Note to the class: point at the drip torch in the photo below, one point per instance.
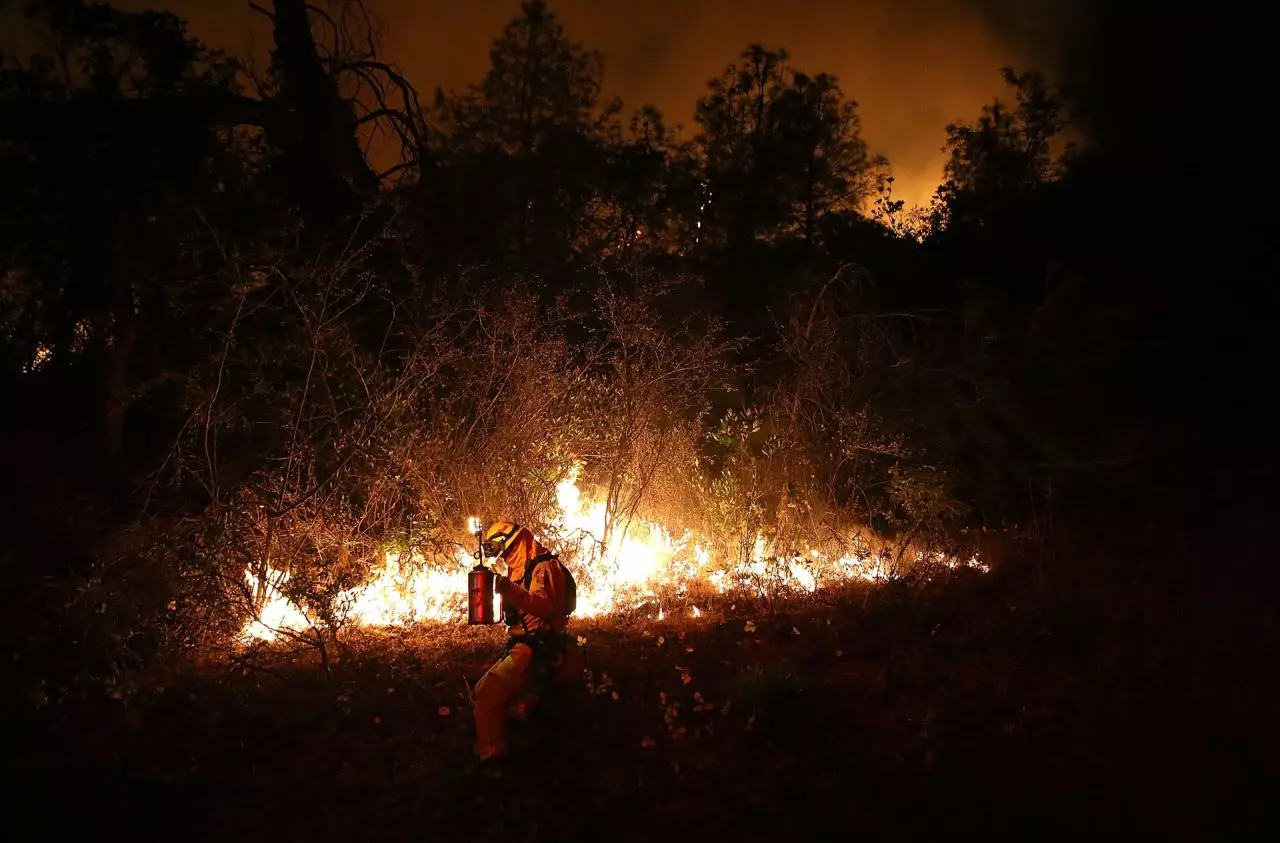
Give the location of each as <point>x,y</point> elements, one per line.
<point>479,583</point>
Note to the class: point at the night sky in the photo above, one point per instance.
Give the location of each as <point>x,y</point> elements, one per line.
<point>912,65</point>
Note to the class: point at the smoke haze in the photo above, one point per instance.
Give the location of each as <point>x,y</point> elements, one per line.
<point>912,65</point>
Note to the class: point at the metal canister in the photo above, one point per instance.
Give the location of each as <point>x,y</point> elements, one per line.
<point>480,596</point>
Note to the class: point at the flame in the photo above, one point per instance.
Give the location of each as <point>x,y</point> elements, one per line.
<point>617,567</point>
<point>277,613</point>
<point>403,594</point>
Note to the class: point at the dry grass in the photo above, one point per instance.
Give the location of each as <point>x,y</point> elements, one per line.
<point>888,711</point>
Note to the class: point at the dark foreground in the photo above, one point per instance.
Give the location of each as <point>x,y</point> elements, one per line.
<point>892,715</point>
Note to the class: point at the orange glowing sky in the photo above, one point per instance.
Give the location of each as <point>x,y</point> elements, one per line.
<point>912,65</point>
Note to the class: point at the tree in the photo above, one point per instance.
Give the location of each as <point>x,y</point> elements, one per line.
<point>125,137</point>
<point>649,204</point>
<point>782,149</point>
<point>98,232</point>
<point>539,85</point>
<point>316,135</point>
<point>326,86</point>
<point>829,164</point>
<point>740,146</point>
<point>1005,155</point>
<point>525,146</point>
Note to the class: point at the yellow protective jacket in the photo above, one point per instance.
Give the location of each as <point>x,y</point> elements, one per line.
<point>540,607</point>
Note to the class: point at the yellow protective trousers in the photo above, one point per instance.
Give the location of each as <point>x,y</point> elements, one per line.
<point>502,684</point>
<point>507,681</point>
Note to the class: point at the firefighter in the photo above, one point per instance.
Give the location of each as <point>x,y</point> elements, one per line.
<point>537,597</point>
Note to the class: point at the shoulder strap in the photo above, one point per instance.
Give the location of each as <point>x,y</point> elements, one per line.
<point>527,580</point>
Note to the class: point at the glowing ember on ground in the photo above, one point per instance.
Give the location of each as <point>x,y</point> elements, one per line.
<point>641,566</point>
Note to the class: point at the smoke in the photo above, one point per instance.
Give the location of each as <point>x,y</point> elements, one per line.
<point>912,65</point>
<point>1053,33</point>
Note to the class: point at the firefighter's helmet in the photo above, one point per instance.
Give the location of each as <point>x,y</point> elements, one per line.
<point>500,537</point>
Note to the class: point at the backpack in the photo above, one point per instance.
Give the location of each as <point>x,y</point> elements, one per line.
<point>570,592</point>
<point>570,585</point>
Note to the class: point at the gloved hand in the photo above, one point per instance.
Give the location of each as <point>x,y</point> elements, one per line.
<point>501,584</point>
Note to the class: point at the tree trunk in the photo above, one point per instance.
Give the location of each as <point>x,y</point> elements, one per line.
<point>320,138</point>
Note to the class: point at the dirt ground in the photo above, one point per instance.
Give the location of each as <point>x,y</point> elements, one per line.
<point>881,714</point>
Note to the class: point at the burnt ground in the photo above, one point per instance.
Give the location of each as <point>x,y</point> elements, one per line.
<point>886,714</point>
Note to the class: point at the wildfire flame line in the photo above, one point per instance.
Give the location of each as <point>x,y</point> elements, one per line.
<point>629,573</point>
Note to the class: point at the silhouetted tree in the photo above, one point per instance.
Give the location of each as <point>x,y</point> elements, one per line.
<point>829,167</point>
<point>526,144</point>
<point>653,190</point>
<point>781,149</point>
<point>1007,153</point>
<point>741,147</point>
<point>97,236</point>
<point>316,135</point>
